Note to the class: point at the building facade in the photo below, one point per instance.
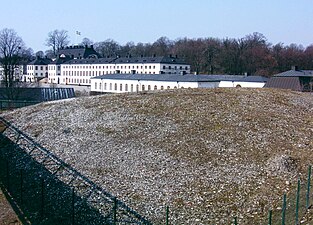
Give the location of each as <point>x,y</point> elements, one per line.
<point>123,83</point>
<point>294,79</point>
<point>36,70</point>
<point>79,71</point>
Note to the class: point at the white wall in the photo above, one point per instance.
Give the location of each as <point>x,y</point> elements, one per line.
<point>80,74</point>
<point>122,86</point>
<point>241,84</point>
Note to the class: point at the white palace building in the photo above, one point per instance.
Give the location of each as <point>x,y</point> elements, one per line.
<point>78,65</point>
<point>79,71</point>
<point>75,65</point>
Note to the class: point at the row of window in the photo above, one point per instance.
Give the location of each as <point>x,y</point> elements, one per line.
<point>53,67</point>
<point>36,74</point>
<point>36,67</point>
<point>128,88</point>
<point>76,81</point>
<point>124,67</point>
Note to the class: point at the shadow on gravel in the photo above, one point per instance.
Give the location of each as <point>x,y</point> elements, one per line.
<point>37,196</point>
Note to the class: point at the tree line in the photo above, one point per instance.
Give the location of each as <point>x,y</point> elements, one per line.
<point>252,54</point>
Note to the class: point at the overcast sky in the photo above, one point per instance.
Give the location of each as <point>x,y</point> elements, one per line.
<point>286,21</point>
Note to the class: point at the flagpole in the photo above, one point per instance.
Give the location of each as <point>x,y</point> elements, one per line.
<point>77,34</point>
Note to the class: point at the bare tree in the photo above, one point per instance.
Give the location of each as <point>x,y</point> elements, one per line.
<point>49,54</point>
<point>40,54</point>
<point>57,39</point>
<point>86,41</point>
<point>108,47</point>
<point>11,48</point>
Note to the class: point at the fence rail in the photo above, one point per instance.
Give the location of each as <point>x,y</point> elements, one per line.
<point>111,209</point>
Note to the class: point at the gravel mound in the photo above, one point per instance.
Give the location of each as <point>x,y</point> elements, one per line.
<point>208,154</point>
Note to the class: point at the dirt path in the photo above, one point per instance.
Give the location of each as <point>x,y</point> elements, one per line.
<point>7,214</point>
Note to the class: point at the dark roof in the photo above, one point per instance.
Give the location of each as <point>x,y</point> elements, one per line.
<point>40,61</point>
<point>129,59</point>
<point>295,73</point>
<point>78,52</point>
<point>287,82</point>
<point>59,60</point>
<point>183,78</point>
<point>91,61</point>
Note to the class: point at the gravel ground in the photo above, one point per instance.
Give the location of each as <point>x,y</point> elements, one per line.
<point>208,154</point>
<point>7,214</point>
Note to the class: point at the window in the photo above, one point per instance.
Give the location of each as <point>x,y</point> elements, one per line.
<point>36,67</point>
<point>149,87</point>
<point>110,86</point>
<point>137,87</point>
<point>126,87</point>
<point>143,87</point>
<point>164,67</point>
<point>131,87</point>
<point>168,87</point>
<point>100,86</point>
<point>155,87</point>
<point>95,85</point>
<point>121,87</point>
<point>115,86</point>
<point>162,88</point>
<point>105,86</point>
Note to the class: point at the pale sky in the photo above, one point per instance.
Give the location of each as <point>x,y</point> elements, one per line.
<point>286,21</point>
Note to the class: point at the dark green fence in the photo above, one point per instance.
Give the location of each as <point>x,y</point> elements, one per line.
<point>13,104</point>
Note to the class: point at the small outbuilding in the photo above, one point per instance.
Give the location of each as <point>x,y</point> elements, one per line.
<point>294,79</point>
<point>121,83</point>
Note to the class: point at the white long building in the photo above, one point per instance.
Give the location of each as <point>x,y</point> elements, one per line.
<point>79,71</point>
<point>122,83</point>
<point>75,65</point>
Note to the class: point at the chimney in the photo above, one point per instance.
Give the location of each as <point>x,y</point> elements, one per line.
<point>295,68</point>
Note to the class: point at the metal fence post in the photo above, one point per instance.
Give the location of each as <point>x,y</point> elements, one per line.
<point>8,175</point>
<point>114,210</point>
<point>42,202</point>
<point>270,217</point>
<point>167,215</point>
<point>297,202</point>
<point>308,188</point>
<point>73,206</point>
<point>283,214</point>
<point>21,187</point>
<point>235,220</point>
